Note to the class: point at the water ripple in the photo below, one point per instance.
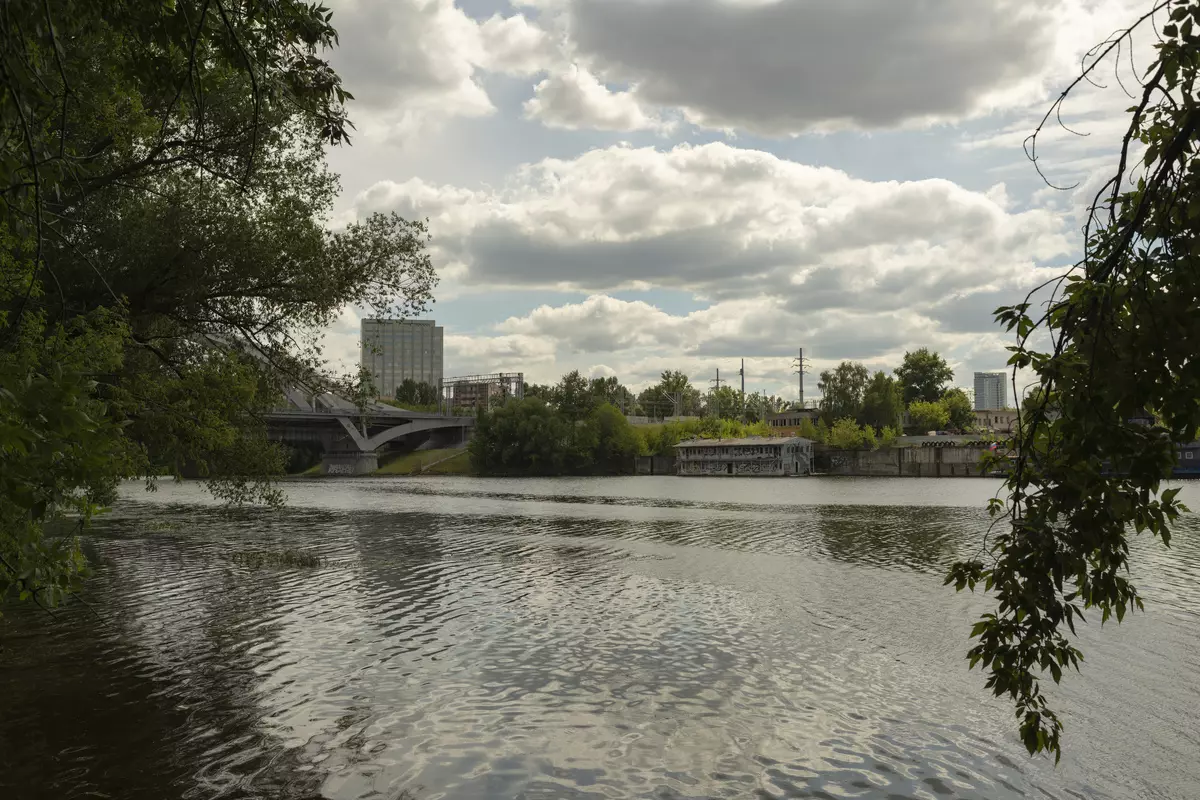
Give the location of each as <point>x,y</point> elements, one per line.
<point>571,639</point>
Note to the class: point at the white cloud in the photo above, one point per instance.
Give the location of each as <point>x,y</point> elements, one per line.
<point>785,255</point>
<point>474,355</point>
<point>516,46</point>
<point>724,222</point>
<point>575,99</point>
<point>412,64</point>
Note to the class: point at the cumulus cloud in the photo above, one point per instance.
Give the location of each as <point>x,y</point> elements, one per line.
<point>729,223</point>
<point>576,99</point>
<point>777,67</point>
<point>473,354</point>
<point>782,254</point>
<point>754,327</point>
<point>413,63</point>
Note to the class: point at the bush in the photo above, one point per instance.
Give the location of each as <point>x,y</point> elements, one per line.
<point>848,435</point>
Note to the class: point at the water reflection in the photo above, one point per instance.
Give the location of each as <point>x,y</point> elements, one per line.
<point>472,639</point>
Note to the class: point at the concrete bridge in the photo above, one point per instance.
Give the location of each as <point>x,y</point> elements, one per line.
<point>350,437</point>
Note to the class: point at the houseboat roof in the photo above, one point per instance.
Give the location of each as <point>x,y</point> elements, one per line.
<point>755,441</point>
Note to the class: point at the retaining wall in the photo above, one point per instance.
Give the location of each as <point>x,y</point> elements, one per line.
<point>905,462</point>
<point>655,465</point>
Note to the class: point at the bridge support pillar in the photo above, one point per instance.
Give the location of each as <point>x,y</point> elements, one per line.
<point>349,462</point>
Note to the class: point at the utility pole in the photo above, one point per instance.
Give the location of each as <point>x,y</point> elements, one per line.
<point>799,364</point>
<point>742,372</point>
<point>716,393</point>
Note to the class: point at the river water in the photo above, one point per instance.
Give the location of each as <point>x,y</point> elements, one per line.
<point>597,638</point>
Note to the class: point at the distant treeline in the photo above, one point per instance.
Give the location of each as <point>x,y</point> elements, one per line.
<point>532,437</point>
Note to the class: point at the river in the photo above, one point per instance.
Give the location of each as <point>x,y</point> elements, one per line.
<point>591,638</point>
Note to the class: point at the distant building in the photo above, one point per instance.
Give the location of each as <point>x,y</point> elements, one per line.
<point>991,390</point>
<point>793,418</point>
<point>393,350</point>
<point>478,394</point>
<point>753,457</point>
<point>996,420</point>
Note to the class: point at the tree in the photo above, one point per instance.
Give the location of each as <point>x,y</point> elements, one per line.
<point>929,416</point>
<point>539,390</point>
<point>883,402</point>
<point>164,253</point>
<point>842,390</point>
<point>959,414</point>
<point>1123,334</point>
<point>406,392</point>
<point>660,398</point>
<point>610,390</point>
<point>427,394</point>
<point>847,435</point>
<point>615,442</point>
<point>573,396</point>
<point>724,402</point>
<point>759,405</point>
<point>525,437</point>
<point>922,375</point>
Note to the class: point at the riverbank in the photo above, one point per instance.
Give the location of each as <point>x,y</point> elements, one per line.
<point>446,461</point>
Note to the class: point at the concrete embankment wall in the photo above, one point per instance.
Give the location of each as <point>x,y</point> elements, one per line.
<point>655,465</point>
<point>904,462</point>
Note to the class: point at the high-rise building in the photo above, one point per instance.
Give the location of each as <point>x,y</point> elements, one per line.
<point>394,349</point>
<point>991,391</point>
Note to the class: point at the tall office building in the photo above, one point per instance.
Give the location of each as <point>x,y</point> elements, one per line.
<point>991,391</point>
<point>395,349</point>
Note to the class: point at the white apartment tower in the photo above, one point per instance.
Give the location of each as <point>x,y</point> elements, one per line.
<point>991,391</point>
<point>394,349</point>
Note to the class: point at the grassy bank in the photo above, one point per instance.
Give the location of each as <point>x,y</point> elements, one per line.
<point>449,461</point>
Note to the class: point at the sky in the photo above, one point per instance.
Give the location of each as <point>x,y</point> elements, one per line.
<point>628,186</point>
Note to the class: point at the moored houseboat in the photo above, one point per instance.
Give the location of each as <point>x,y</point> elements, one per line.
<point>752,457</point>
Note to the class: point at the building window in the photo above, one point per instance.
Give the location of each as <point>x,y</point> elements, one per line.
<point>1188,455</point>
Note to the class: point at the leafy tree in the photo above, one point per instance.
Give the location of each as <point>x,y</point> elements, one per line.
<point>1123,336</point>
<point>922,375</point>
<point>883,402</point>
<point>530,437</point>
<point>615,442</point>
<point>959,414</point>
<point>848,435</point>
<point>427,394</point>
<point>724,402</point>
<point>842,390</point>
<point>540,391</point>
<point>610,390</point>
<point>759,405</point>
<point>929,416</point>
<point>659,398</point>
<point>164,253</point>
<point>810,431</point>
<point>406,392</point>
<point>524,437</point>
<point>573,396</point>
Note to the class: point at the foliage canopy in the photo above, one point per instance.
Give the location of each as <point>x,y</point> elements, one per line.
<point>1123,338</point>
<point>164,254</point>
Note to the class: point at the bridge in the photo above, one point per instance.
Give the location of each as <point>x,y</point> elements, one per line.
<point>351,437</point>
